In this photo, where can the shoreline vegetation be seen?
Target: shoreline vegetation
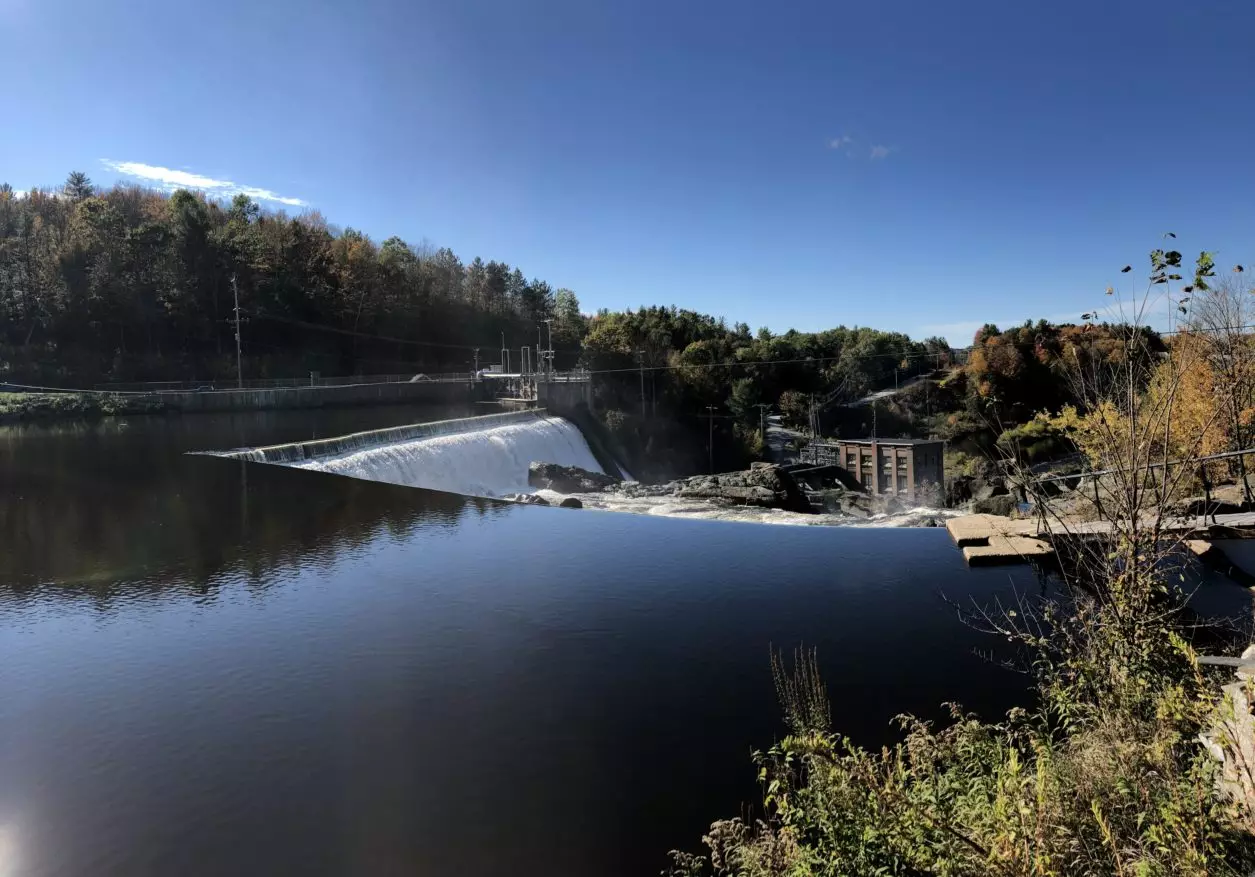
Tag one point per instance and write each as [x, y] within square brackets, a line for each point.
[24, 407]
[1133, 758]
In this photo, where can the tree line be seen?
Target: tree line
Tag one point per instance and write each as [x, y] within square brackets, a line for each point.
[130, 284]
[669, 378]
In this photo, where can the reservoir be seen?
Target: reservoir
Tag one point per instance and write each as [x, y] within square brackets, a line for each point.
[213, 666]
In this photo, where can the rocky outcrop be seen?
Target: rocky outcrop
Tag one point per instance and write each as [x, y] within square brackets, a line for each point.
[765, 485]
[570, 502]
[1002, 505]
[568, 479]
[986, 481]
[525, 499]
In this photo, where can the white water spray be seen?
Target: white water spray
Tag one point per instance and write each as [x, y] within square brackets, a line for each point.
[478, 462]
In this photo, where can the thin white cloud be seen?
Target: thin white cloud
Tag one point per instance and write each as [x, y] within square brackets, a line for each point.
[169, 179]
[850, 148]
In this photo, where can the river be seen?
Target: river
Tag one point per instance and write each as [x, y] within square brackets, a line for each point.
[214, 667]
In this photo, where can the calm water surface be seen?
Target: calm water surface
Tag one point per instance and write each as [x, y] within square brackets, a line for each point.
[209, 667]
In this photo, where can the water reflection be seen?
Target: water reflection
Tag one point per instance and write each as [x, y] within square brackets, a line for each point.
[220, 668]
[118, 504]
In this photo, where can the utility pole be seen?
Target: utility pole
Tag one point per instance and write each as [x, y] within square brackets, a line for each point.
[640, 361]
[762, 421]
[873, 418]
[549, 350]
[239, 361]
[476, 363]
[711, 442]
[540, 351]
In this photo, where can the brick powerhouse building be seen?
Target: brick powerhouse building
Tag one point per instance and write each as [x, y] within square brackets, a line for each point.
[893, 466]
[896, 467]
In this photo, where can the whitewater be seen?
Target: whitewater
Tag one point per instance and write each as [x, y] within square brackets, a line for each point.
[477, 462]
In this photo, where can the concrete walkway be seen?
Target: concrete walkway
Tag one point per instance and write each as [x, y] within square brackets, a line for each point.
[991, 539]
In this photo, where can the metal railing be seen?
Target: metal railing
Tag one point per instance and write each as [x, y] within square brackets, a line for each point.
[281, 383]
[570, 377]
[1193, 461]
[229, 384]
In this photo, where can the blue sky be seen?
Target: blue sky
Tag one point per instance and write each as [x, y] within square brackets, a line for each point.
[919, 166]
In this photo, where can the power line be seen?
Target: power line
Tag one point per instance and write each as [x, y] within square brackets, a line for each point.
[353, 332]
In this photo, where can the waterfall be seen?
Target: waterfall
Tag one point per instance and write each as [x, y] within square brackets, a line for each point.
[490, 460]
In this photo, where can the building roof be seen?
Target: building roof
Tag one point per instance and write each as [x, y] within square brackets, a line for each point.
[885, 441]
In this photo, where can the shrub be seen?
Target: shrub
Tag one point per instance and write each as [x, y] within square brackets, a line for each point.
[1108, 772]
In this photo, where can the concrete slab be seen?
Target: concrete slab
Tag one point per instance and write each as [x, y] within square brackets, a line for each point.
[978, 529]
[1007, 549]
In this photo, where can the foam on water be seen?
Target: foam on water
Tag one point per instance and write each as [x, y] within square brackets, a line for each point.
[477, 462]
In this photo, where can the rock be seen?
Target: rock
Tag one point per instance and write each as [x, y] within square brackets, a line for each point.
[568, 479]
[831, 500]
[570, 502]
[1199, 506]
[988, 489]
[958, 490]
[765, 485]
[1002, 505]
[525, 499]
[857, 506]
[929, 522]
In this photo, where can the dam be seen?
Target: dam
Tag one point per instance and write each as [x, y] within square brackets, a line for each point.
[489, 455]
[474, 456]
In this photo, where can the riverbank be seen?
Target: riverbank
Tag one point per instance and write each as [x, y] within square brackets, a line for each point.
[19, 407]
[16, 407]
[764, 494]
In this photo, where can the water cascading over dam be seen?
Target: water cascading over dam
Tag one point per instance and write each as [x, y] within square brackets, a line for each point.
[476, 456]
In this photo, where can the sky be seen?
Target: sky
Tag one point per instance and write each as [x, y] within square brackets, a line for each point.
[917, 166]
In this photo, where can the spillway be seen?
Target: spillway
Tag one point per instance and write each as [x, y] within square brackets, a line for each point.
[476, 456]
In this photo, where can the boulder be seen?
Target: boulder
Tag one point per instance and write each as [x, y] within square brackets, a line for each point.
[988, 489]
[525, 499]
[995, 505]
[959, 490]
[568, 479]
[570, 502]
[1198, 506]
[857, 505]
[765, 485]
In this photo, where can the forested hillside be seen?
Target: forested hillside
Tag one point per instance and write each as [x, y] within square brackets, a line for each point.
[131, 284]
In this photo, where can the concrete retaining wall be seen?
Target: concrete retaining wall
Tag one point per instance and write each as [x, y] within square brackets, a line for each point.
[313, 397]
[560, 395]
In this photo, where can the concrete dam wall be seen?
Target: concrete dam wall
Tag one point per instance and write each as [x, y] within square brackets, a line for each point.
[475, 456]
[312, 397]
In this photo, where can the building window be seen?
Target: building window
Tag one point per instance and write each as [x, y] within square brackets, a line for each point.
[851, 461]
[901, 484]
[867, 481]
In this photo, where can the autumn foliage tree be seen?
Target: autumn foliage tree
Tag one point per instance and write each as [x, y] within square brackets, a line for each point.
[128, 284]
